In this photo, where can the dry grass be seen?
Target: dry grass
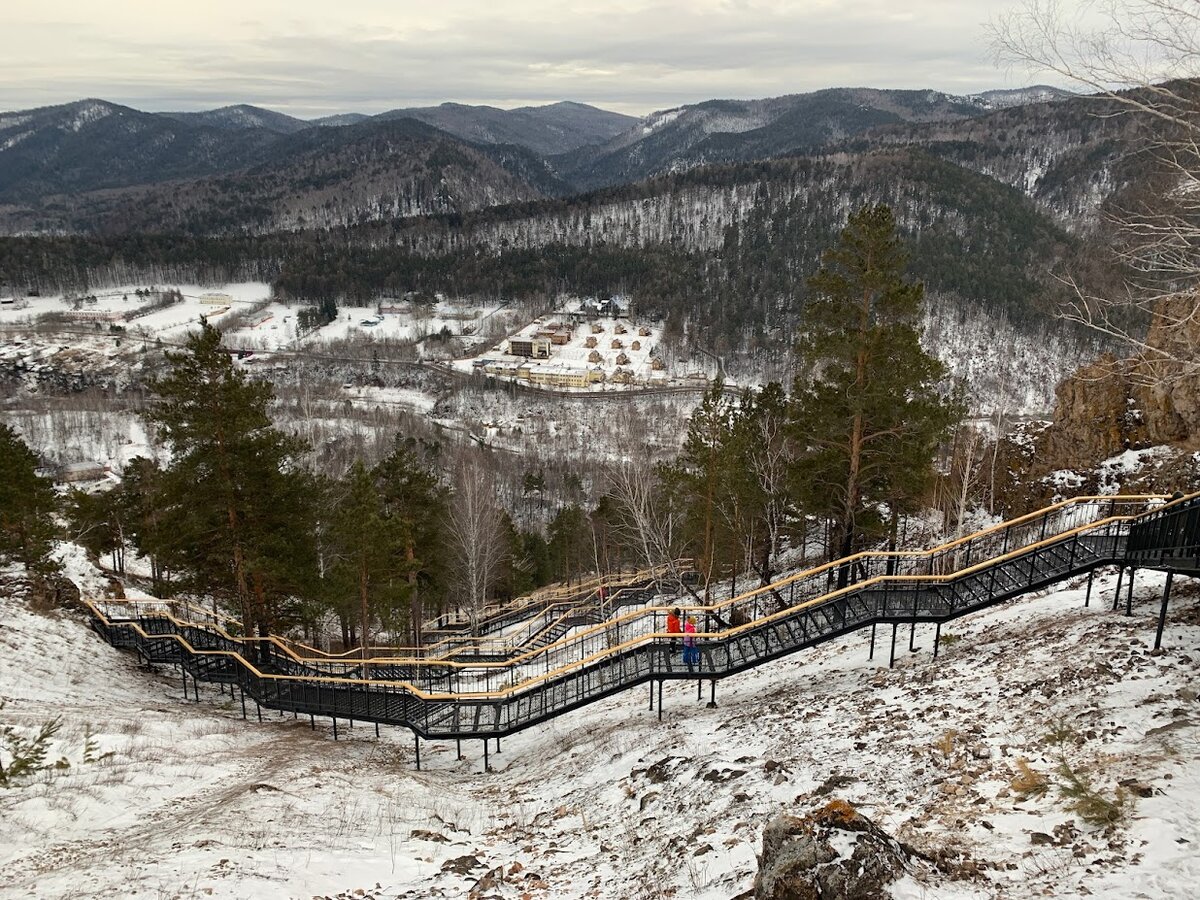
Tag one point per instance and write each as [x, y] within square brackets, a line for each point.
[1028, 782]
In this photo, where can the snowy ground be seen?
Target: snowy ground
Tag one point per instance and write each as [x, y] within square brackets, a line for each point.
[406, 322]
[609, 802]
[171, 322]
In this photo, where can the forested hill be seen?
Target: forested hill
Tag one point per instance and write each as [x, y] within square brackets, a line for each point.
[94, 166]
[725, 131]
[992, 205]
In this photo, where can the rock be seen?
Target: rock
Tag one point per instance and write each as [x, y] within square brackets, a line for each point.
[833, 852]
[834, 783]
[1041, 839]
[1137, 788]
[422, 834]
[462, 865]
[661, 770]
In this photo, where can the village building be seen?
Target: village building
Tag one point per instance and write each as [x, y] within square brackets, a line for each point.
[70, 473]
[622, 376]
[533, 348]
[558, 375]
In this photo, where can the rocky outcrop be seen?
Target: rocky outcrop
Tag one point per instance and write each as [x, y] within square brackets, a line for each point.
[1112, 407]
[833, 852]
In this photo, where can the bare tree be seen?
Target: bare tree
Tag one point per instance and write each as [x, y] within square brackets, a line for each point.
[1139, 58]
[771, 459]
[650, 521]
[959, 487]
[476, 536]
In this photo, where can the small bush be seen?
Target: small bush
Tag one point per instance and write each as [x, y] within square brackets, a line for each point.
[946, 742]
[1086, 801]
[1028, 782]
[26, 756]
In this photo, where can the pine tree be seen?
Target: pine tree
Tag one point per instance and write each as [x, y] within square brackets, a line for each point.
[234, 499]
[869, 411]
[706, 468]
[27, 506]
[148, 529]
[415, 498]
[364, 548]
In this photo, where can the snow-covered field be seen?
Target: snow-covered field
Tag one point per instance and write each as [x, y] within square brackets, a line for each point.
[185, 799]
[123, 303]
[405, 322]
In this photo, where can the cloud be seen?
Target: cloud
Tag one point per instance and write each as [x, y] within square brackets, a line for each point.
[311, 58]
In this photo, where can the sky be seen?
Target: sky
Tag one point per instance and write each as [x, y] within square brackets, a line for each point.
[310, 58]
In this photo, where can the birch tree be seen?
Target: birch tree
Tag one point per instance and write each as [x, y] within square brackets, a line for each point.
[1137, 58]
[475, 525]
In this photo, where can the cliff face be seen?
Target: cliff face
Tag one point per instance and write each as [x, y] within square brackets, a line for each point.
[1118, 404]
[1114, 407]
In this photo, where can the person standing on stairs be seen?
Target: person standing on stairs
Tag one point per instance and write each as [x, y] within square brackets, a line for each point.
[674, 622]
[691, 653]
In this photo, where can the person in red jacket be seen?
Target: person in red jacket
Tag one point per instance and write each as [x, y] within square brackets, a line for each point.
[674, 622]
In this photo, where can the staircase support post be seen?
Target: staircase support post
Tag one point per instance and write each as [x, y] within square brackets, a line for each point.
[712, 696]
[699, 688]
[417, 745]
[376, 729]
[183, 675]
[651, 695]
[335, 734]
[1162, 613]
[1117, 595]
[660, 681]
[892, 659]
[1129, 594]
[912, 637]
[871, 654]
[196, 688]
[486, 765]
[242, 691]
[1087, 598]
[312, 722]
[497, 743]
[937, 640]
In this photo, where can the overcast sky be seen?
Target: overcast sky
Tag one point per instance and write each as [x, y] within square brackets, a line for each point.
[315, 57]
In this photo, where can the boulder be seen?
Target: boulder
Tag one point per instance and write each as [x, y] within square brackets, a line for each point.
[833, 852]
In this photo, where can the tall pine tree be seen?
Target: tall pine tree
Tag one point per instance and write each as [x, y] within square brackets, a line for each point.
[235, 500]
[869, 412]
[27, 506]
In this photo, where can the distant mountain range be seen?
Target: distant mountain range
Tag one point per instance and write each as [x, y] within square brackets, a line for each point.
[98, 166]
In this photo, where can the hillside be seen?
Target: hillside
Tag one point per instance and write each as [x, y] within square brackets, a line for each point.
[316, 178]
[724, 131]
[186, 799]
[93, 144]
[546, 130]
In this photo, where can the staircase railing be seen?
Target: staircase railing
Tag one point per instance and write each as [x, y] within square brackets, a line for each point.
[453, 698]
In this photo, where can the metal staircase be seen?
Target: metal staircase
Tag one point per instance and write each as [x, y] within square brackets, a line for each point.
[572, 657]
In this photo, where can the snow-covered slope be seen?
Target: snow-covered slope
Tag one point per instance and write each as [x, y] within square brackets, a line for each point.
[610, 802]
